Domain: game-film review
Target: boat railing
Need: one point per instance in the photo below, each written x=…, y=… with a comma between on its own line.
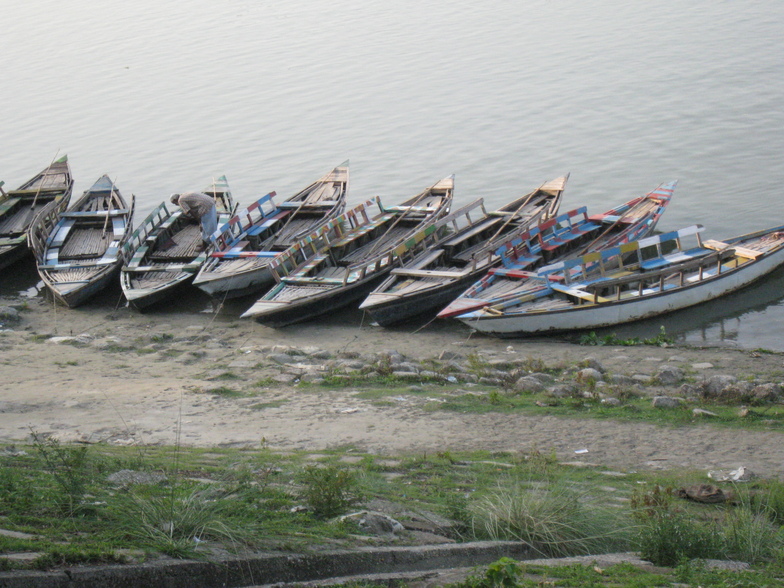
x=40, y=229
x=152, y=221
x=322, y=238
x=243, y=221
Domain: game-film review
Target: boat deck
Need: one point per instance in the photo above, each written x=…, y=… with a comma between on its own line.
x=181, y=245
x=86, y=243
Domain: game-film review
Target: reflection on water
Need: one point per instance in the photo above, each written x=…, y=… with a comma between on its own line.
x=740, y=319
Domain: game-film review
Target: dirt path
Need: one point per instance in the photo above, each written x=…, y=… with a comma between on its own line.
x=96, y=393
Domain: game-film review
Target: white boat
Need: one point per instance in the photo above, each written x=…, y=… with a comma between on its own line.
x=631, y=282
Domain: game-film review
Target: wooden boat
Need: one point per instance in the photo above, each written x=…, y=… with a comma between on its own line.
x=49, y=190
x=633, y=281
x=164, y=253
x=570, y=234
x=251, y=240
x=77, y=251
x=433, y=279
x=350, y=256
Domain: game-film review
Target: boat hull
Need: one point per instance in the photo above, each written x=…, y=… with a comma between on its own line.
x=625, y=311
x=314, y=306
x=400, y=308
x=235, y=285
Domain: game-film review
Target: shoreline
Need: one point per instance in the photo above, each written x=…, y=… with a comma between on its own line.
x=136, y=378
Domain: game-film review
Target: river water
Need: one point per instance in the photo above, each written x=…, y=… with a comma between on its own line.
x=163, y=96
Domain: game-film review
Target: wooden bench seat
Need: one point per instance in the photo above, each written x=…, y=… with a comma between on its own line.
x=94, y=213
x=739, y=250
x=261, y=227
x=420, y=273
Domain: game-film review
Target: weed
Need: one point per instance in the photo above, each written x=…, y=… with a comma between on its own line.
x=162, y=338
x=660, y=340
x=329, y=490
x=68, y=466
x=555, y=518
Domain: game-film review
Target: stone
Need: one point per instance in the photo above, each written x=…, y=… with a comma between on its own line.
x=641, y=378
x=589, y=375
x=669, y=375
x=562, y=391
x=132, y=477
x=665, y=402
x=767, y=392
x=374, y=523
x=716, y=385
x=529, y=384
x=702, y=366
x=449, y=356
x=593, y=363
x=610, y=401
x=9, y=315
x=619, y=379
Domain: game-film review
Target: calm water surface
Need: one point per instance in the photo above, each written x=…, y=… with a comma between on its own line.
x=506, y=95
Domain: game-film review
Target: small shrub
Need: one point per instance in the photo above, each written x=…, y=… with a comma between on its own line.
x=70, y=468
x=666, y=538
x=329, y=490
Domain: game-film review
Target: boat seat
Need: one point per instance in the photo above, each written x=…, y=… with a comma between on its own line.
x=261, y=227
x=481, y=226
x=673, y=258
x=94, y=213
x=577, y=293
x=61, y=234
x=231, y=254
x=138, y=255
x=419, y=273
x=428, y=259
x=741, y=251
x=522, y=262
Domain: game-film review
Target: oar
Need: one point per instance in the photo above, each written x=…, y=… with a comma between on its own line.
x=516, y=212
x=398, y=219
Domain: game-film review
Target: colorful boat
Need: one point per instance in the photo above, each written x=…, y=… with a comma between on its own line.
x=165, y=252
x=47, y=191
x=350, y=256
x=568, y=235
x=78, y=251
x=436, y=277
x=633, y=281
x=247, y=245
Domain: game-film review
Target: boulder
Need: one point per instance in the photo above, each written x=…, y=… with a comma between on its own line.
x=665, y=402
x=589, y=375
x=669, y=375
x=529, y=384
x=593, y=363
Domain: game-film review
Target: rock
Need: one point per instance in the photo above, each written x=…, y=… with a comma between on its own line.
x=132, y=477
x=593, y=363
x=767, y=393
x=665, y=402
x=610, y=401
x=669, y=375
x=562, y=391
x=641, y=378
x=543, y=378
x=279, y=357
x=374, y=523
x=589, y=374
x=9, y=315
x=449, y=356
x=702, y=366
x=619, y=379
x=529, y=384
